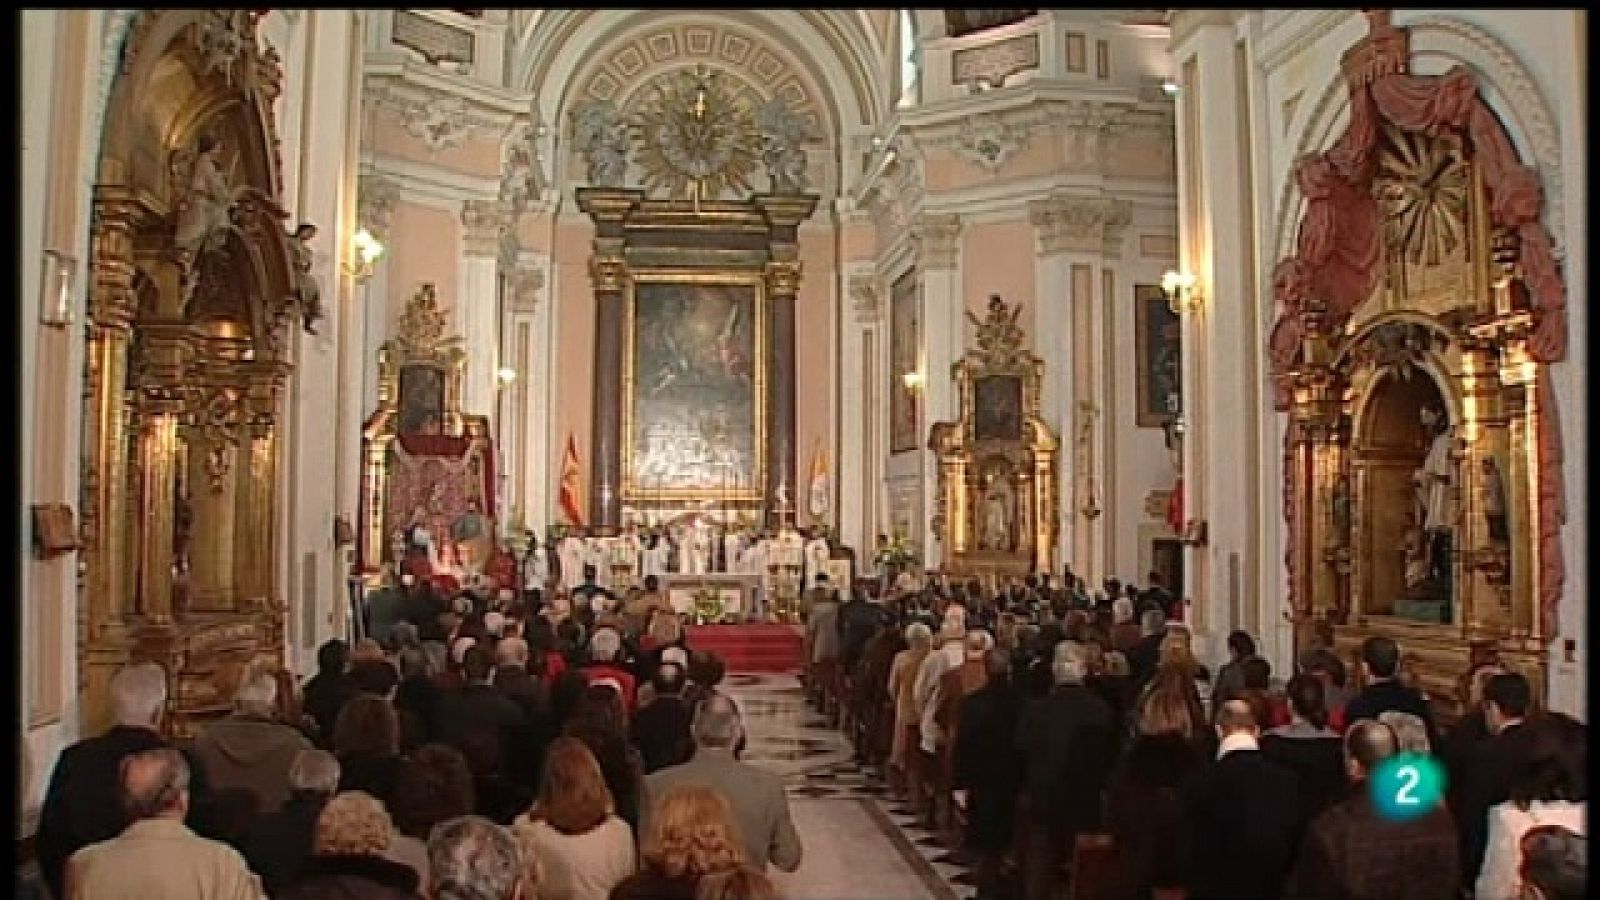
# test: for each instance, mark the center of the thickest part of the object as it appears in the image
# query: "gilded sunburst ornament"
(696, 137)
(1422, 191)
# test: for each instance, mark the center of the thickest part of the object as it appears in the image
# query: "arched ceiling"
(822, 59)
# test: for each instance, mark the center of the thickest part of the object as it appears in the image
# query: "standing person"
(902, 679)
(1491, 769)
(471, 858)
(691, 836)
(1310, 749)
(1241, 814)
(756, 798)
(1547, 789)
(1352, 850)
(601, 722)
(353, 834)
(278, 845)
(366, 741)
(986, 766)
(1065, 740)
(155, 856)
(1230, 677)
(583, 849)
(249, 749)
(1380, 667)
(75, 812)
(661, 727)
(325, 693)
(1144, 800)
(1146, 653)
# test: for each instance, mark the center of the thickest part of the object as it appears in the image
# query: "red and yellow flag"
(572, 485)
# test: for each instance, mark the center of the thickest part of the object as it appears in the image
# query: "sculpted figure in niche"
(1434, 484)
(997, 516)
(307, 290)
(602, 138)
(204, 212)
(1494, 501)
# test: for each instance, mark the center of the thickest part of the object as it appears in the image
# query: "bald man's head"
(155, 784)
(716, 722)
(1236, 717)
(1367, 743)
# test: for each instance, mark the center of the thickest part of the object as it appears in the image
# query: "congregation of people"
(1069, 744)
(465, 749)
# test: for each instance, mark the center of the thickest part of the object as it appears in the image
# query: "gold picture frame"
(745, 487)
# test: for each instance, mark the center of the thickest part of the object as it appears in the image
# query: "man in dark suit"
(1351, 850)
(1065, 739)
(478, 707)
(986, 766)
(326, 692)
(537, 730)
(80, 806)
(1241, 815)
(1380, 663)
(1143, 657)
(1487, 775)
(661, 727)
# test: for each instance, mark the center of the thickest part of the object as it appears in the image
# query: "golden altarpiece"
(196, 290)
(1422, 491)
(424, 462)
(997, 505)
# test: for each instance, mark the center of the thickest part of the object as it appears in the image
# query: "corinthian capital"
(482, 222)
(866, 300)
(524, 286)
(937, 239)
(376, 196)
(1065, 223)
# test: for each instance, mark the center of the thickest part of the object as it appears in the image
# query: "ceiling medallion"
(697, 137)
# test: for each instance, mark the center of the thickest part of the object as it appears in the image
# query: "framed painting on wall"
(905, 345)
(997, 408)
(1159, 350)
(694, 387)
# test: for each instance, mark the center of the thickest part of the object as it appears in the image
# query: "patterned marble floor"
(859, 843)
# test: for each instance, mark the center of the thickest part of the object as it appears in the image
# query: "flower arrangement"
(898, 554)
(708, 606)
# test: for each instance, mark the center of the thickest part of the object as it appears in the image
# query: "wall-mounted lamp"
(1170, 87)
(505, 375)
(912, 379)
(55, 289)
(366, 249)
(1182, 294)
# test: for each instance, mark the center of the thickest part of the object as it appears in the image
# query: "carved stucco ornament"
(988, 141)
(440, 122)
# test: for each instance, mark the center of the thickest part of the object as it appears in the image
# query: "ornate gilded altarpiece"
(1417, 320)
(997, 504)
(193, 301)
(424, 461)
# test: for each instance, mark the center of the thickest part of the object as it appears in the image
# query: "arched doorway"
(193, 294)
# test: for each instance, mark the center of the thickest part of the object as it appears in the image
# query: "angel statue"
(602, 137)
(783, 135)
(306, 288)
(204, 209)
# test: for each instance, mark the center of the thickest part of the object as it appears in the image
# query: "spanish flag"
(572, 485)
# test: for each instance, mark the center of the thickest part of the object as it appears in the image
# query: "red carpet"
(751, 647)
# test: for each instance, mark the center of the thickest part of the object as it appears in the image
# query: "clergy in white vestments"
(597, 553)
(733, 549)
(817, 555)
(655, 557)
(571, 553)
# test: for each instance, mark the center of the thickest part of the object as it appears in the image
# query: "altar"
(735, 591)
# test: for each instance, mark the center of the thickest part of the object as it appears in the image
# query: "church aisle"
(857, 846)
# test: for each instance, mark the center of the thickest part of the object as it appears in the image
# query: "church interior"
(730, 330)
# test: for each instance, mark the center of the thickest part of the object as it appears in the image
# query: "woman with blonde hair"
(742, 883)
(691, 836)
(584, 850)
(902, 677)
(1144, 807)
(353, 834)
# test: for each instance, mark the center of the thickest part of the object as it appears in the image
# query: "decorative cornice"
(937, 240)
(429, 184)
(1092, 129)
(1071, 224)
(1183, 24)
(442, 109)
(482, 222)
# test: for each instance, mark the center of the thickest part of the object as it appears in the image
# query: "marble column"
(858, 447)
(527, 410)
(377, 196)
(785, 494)
(937, 241)
(482, 222)
(1052, 340)
(609, 208)
(1223, 391)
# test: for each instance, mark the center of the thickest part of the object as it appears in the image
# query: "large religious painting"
(421, 400)
(998, 416)
(694, 416)
(905, 342)
(1159, 348)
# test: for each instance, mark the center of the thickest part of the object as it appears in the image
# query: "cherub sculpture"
(602, 137)
(783, 137)
(307, 291)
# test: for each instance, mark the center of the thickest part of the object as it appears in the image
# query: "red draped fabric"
(1337, 258)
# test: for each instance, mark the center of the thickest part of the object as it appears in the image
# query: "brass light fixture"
(1181, 290)
(366, 251)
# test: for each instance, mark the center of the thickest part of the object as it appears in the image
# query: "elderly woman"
(583, 849)
(902, 678)
(691, 837)
(353, 834)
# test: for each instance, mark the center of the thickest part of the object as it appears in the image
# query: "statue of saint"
(306, 287)
(204, 211)
(1435, 493)
(1494, 500)
(996, 534)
